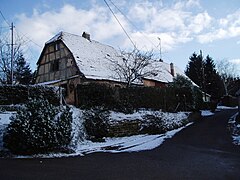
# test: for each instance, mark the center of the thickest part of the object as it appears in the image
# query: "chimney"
(86, 36)
(172, 69)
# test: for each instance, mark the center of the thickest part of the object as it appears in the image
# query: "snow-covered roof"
(95, 60)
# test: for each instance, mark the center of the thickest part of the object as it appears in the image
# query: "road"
(201, 151)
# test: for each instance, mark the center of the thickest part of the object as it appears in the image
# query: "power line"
(4, 18)
(132, 23)
(17, 31)
(120, 23)
(30, 40)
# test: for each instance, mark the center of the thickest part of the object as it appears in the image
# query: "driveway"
(201, 151)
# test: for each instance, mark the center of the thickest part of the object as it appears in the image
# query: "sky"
(179, 27)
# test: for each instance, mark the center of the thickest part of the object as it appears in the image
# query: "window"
(55, 65)
(57, 46)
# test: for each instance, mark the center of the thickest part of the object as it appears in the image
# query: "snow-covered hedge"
(19, 94)
(96, 123)
(39, 128)
(101, 123)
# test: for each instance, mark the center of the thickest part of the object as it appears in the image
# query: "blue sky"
(184, 26)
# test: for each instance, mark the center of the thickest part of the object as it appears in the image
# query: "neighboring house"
(68, 60)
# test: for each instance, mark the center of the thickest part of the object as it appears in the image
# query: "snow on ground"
(4, 121)
(5, 117)
(235, 129)
(82, 146)
(126, 144)
(226, 107)
(206, 113)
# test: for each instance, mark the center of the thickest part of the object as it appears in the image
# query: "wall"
(56, 63)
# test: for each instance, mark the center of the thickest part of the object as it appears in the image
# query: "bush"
(39, 128)
(152, 124)
(96, 123)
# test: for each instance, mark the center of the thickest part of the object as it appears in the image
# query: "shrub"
(96, 123)
(152, 124)
(39, 128)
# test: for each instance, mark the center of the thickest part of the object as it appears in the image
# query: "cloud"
(175, 24)
(224, 28)
(187, 4)
(193, 3)
(97, 21)
(235, 61)
(200, 22)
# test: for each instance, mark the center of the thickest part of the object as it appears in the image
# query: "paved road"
(201, 151)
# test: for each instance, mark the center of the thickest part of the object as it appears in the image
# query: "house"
(68, 60)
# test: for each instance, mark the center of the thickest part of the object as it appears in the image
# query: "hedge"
(19, 94)
(132, 98)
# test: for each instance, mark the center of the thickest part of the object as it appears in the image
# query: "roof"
(95, 60)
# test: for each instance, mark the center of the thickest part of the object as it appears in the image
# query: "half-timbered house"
(67, 60)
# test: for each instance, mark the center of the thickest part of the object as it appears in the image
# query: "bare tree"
(227, 72)
(5, 58)
(134, 66)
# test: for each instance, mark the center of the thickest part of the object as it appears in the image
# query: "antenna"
(160, 48)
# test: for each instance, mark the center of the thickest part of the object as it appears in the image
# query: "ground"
(203, 150)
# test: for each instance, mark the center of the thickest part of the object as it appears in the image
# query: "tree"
(23, 73)
(18, 59)
(134, 66)
(39, 127)
(203, 72)
(213, 83)
(194, 69)
(227, 72)
(188, 95)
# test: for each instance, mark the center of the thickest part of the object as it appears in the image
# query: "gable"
(55, 63)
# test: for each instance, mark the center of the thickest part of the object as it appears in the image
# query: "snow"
(236, 139)
(126, 144)
(78, 132)
(134, 143)
(168, 117)
(4, 121)
(97, 61)
(206, 113)
(226, 107)
(5, 117)
(49, 82)
(235, 129)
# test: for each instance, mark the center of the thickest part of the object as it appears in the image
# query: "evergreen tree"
(194, 69)
(40, 127)
(213, 84)
(23, 73)
(203, 73)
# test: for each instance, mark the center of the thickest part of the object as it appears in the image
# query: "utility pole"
(12, 53)
(160, 48)
(203, 78)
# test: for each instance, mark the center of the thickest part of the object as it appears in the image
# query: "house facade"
(68, 60)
